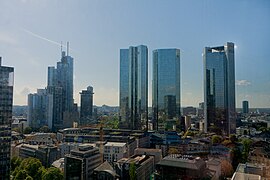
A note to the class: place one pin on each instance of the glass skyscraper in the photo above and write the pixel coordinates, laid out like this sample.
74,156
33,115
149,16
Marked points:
86,106
166,99
60,87
134,87
6,101
245,107
219,88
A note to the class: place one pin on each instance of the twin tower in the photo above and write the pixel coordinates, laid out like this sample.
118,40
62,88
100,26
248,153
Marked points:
219,88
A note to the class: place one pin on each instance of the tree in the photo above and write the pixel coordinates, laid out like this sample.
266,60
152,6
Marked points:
53,173
15,162
27,130
172,150
226,168
216,139
22,174
233,138
28,167
246,148
44,129
132,171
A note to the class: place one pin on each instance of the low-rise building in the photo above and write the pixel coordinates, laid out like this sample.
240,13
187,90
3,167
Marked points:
113,151
177,166
157,153
80,164
144,166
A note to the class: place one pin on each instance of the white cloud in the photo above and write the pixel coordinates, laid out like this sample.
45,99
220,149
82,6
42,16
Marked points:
242,82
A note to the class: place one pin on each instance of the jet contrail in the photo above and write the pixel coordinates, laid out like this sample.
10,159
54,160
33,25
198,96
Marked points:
43,38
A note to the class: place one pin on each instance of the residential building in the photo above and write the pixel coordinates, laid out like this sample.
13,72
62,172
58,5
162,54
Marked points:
134,88
86,112
219,88
6,102
80,163
166,99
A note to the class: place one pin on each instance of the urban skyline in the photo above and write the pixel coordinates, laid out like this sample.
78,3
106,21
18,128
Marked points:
36,46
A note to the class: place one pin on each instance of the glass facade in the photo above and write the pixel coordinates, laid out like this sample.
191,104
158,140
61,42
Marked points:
134,87
86,106
219,88
166,86
6,101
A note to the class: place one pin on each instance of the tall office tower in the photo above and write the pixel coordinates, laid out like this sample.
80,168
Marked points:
219,88
134,87
245,107
6,100
65,80
60,87
166,99
39,109
86,106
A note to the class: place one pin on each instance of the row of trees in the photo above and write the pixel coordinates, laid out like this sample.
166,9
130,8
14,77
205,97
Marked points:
31,169
29,130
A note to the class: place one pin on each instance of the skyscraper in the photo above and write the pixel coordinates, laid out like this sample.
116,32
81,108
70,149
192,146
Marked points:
6,100
39,109
134,87
219,88
86,106
166,86
60,87
245,107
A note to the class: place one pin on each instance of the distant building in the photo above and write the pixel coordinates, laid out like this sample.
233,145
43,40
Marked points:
6,102
134,88
245,107
144,166
219,88
40,106
80,164
189,111
166,92
86,113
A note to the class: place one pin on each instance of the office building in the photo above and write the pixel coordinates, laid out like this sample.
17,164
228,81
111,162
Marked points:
60,87
144,167
86,113
166,101
219,88
6,101
80,164
245,107
176,166
134,87
39,109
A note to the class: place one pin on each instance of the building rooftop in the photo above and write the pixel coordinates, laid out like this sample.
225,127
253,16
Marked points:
115,144
244,176
182,161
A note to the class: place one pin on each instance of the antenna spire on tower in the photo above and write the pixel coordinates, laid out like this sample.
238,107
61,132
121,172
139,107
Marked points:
67,48
61,48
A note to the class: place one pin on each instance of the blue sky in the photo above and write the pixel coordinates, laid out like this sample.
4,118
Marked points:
30,33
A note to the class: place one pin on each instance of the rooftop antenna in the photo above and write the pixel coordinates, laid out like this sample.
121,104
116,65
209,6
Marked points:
67,48
61,48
